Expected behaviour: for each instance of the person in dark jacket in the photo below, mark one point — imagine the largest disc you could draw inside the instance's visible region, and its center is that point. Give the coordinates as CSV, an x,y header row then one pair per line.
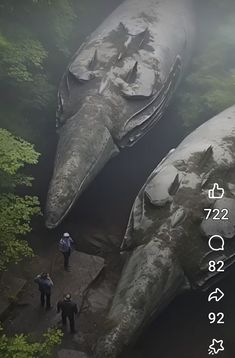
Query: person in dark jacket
x,y
44,285
65,245
68,310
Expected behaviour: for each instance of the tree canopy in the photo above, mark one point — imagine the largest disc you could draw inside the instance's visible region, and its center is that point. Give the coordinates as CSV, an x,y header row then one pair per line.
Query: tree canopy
x,y
33,48
210,85
15,211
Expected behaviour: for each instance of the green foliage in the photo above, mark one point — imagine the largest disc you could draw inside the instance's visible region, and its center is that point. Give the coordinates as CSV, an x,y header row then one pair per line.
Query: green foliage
x,y
21,346
15,211
15,153
33,45
210,86
33,50
62,17
21,58
15,214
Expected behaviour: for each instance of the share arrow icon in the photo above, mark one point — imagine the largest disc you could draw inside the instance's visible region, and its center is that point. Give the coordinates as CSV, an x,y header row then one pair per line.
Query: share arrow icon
x,y
216,295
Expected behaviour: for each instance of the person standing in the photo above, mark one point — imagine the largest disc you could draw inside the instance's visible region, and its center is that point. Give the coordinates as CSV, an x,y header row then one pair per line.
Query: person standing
x,y
65,245
44,285
68,310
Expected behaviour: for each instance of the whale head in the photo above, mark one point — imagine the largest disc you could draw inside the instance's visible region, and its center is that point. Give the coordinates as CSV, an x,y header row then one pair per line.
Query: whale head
x,y
85,145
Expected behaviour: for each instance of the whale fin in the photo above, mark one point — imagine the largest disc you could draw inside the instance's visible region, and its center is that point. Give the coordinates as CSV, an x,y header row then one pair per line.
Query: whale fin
x,y
206,156
93,61
174,187
131,76
84,71
142,37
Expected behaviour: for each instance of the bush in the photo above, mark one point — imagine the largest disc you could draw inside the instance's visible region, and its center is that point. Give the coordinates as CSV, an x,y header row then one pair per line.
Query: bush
x,y
21,346
15,211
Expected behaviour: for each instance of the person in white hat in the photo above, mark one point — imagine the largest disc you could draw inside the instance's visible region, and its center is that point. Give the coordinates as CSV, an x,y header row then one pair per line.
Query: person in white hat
x,y
65,245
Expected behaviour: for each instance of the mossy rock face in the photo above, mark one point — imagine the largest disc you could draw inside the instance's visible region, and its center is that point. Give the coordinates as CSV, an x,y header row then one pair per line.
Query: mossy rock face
x,y
167,236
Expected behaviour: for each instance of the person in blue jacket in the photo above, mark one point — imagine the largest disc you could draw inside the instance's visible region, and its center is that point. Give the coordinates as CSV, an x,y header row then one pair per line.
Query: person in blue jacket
x,y
65,246
44,285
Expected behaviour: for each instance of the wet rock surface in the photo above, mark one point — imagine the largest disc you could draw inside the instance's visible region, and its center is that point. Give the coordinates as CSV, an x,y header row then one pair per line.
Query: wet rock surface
x,y
28,316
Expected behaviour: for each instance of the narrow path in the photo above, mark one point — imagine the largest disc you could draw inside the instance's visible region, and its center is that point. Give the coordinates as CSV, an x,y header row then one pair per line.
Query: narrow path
x,y
30,318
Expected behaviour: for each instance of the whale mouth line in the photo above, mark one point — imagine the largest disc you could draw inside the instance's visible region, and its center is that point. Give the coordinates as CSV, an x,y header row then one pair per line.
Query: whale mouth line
x,y
55,224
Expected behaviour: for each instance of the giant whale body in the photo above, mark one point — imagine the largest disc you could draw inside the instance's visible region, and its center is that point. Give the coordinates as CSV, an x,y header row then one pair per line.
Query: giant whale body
x,y
115,89
167,238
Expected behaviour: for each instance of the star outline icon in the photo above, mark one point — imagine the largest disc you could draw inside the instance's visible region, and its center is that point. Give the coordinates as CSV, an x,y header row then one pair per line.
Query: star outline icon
x,y
216,347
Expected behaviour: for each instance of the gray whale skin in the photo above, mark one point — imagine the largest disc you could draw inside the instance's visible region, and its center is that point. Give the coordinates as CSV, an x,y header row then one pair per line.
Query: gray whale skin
x,y
115,89
167,234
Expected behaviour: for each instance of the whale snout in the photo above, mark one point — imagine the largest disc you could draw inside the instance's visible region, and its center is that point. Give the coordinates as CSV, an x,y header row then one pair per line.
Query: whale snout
x,y
84,148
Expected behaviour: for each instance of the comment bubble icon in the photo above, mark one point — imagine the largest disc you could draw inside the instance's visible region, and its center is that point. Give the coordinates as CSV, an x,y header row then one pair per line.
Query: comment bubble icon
x,y
216,243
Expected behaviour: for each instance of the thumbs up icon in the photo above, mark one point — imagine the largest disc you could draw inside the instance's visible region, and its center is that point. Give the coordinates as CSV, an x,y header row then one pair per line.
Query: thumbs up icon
x,y
216,192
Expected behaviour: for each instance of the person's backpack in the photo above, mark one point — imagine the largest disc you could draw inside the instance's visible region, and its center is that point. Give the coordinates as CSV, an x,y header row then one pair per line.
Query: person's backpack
x,y
63,247
46,285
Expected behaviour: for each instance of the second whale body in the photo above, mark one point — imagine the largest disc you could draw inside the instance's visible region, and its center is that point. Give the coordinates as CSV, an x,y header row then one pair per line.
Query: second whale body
x,y
115,89
168,234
